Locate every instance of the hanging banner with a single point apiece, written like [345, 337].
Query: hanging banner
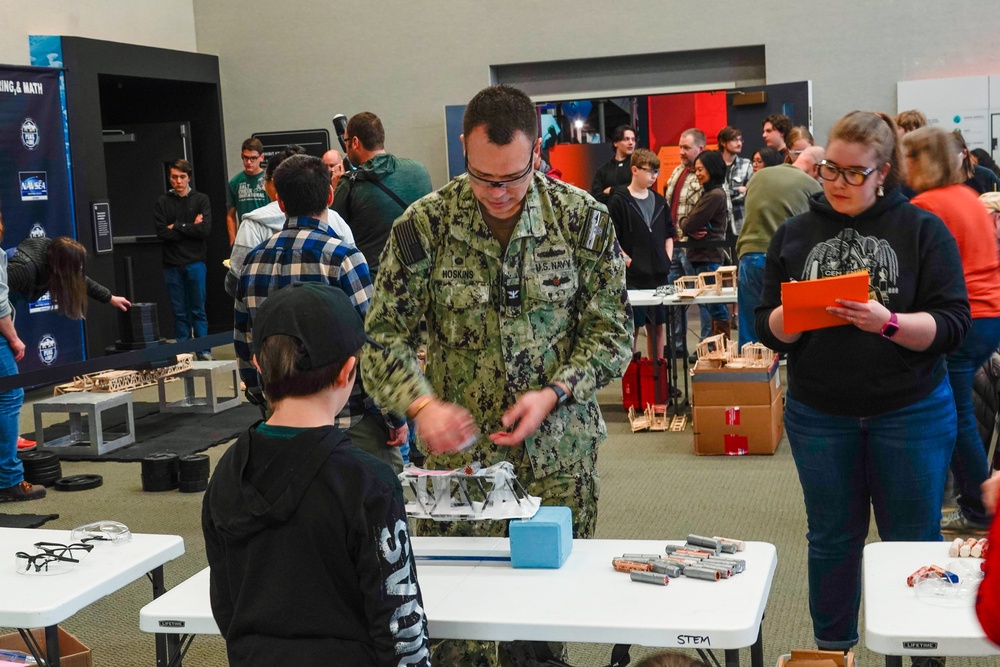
[36, 199]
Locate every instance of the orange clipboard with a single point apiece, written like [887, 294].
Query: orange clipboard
[805, 302]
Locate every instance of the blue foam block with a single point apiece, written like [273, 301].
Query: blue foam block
[544, 540]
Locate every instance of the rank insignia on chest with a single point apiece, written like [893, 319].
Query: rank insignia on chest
[512, 300]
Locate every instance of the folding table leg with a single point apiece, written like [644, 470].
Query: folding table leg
[52, 645]
[893, 661]
[732, 657]
[757, 648]
[162, 641]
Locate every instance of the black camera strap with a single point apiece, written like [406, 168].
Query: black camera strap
[371, 177]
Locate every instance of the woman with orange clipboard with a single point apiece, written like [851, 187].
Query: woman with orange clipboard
[869, 411]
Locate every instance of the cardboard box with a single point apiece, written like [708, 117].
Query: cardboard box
[803, 658]
[734, 386]
[738, 429]
[72, 652]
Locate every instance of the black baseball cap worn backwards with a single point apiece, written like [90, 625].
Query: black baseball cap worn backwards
[320, 316]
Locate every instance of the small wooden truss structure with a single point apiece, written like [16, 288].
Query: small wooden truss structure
[653, 418]
[123, 380]
[709, 282]
[638, 421]
[468, 493]
[725, 278]
[678, 423]
[714, 347]
[658, 420]
[718, 351]
[686, 287]
[755, 355]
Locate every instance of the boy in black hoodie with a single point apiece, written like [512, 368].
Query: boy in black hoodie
[646, 234]
[306, 534]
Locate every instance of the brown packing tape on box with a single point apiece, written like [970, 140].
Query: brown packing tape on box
[737, 429]
[740, 386]
[73, 652]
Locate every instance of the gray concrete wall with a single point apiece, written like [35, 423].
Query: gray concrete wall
[164, 23]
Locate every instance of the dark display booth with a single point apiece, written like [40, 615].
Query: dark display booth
[131, 111]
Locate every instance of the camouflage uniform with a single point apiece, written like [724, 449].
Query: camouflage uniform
[552, 307]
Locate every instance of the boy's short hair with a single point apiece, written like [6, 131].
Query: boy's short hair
[182, 165]
[302, 335]
[252, 144]
[643, 157]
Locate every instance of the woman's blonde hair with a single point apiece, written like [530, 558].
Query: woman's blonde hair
[934, 159]
[877, 131]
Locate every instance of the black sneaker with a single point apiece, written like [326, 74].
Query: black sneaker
[23, 491]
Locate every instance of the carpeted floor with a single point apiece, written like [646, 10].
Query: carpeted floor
[652, 487]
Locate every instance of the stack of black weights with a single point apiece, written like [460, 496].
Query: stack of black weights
[138, 327]
[160, 472]
[41, 467]
[193, 473]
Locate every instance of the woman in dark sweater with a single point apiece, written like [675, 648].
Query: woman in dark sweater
[57, 266]
[869, 411]
[706, 224]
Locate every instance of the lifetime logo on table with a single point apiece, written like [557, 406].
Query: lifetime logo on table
[926, 646]
[171, 624]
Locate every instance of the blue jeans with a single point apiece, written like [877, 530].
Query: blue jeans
[11, 469]
[186, 289]
[713, 311]
[895, 462]
[750, 283]
[968, 462]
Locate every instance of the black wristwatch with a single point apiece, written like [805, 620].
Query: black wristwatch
[561, 396]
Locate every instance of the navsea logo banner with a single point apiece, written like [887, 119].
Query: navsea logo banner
[29, 134]
[34, 185]
[48, 350]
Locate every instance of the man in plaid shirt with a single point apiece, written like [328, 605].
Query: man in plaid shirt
[307, 250]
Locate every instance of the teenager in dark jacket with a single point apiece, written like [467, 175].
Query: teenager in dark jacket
[869, 411]
[306, 534]
[646, 235]
[183, 222]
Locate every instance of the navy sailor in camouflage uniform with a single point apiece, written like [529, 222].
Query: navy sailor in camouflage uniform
[522, 285]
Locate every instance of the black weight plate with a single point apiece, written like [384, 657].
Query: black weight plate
[37, 457]
[42, 472]
[79, 482]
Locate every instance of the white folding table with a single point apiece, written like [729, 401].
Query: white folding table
[35, 601]
[898, 623]
[469, 596]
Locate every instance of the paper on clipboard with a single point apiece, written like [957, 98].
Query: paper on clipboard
[805, 302]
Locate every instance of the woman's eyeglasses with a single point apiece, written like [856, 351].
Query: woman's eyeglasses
[830, 171]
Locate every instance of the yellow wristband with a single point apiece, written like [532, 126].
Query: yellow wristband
[420, 406]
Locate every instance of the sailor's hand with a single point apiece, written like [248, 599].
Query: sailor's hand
[444, 427]
[523, 418]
